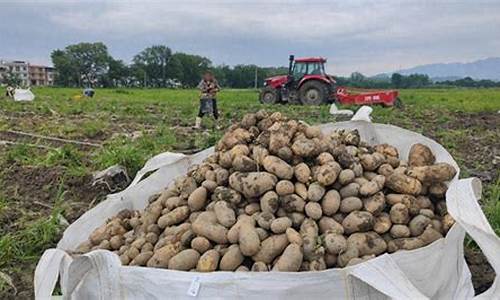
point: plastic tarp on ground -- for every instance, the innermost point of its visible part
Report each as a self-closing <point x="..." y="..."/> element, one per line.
<point x="23" y="95"/>
<point x="437" y="271"/>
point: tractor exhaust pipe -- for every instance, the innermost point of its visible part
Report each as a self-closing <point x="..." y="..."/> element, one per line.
<point x="290" y="64"/>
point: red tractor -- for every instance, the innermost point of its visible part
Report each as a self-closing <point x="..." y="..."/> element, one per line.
<point x="307" y="83"/>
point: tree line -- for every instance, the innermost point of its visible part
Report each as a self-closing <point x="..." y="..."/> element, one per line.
<point x="90" y="64"/>
<point x="412" y="81"/>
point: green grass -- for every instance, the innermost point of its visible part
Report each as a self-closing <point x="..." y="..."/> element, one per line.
<point x="133" y="125"/>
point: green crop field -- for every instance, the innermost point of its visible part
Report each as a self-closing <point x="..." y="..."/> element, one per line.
<point x="44" y="183"/>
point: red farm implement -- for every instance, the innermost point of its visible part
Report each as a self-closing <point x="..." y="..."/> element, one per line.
<point x="307" y="83"/>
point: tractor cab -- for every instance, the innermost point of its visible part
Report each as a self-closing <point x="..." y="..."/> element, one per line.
<point x="305" y="83"/>
<point x="308" y="66"/>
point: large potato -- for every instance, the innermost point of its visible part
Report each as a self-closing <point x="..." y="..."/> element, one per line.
<point x="358" y="221"/>
<point x="252" y="184"/>
<point x="278" y="167"/>
<point x="420" y="155"/>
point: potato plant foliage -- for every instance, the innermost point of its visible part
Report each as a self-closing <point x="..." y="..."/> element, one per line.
<point x="279" y="195"/>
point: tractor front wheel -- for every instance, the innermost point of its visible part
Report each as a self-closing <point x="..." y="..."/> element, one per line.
<point x="269" y="95"/>
<point x="313" y="93"/>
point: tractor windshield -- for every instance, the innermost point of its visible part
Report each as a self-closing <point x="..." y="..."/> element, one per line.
<point x="311" y="68"/>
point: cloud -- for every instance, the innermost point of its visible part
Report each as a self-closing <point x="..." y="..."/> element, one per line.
<point x="366" y="36"/>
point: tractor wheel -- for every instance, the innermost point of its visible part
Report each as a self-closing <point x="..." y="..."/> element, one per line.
<point x="313" y="93"/>
<point x="269" y="95"/>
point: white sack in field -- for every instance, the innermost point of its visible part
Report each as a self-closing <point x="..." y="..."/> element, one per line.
<point x="23" y="95"/>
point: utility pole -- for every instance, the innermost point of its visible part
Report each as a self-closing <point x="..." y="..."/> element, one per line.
<point x="255" y="81"/>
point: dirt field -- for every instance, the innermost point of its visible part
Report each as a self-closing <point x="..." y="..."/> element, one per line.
<point x="46" y="183"/>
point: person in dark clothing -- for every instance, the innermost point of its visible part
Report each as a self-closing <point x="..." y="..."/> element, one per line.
<point x="209" y="87"/>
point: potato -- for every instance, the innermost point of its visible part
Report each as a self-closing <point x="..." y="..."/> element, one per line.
<point x="290" y="260"/>
<point x="448" y="222"/>
<point x="174" y="202"/>
<point x="330" y="203"/>
<point x="297" y="218"/>
<point x="371" y="162"/>
<point x="315" y="192"/>
<point x="225" y="214"/>
<point x="248" y="239"/>
<point x="350" y="190"/>
<point x="399" y="214"/>
<point x="382" y="223"/>
<point x="252" y="208"/>
<point x="438" y="189"/>
<point x="269" y="202"/>
<point x="404" y="244"/>
<point x="418" y="224"/>
<point x="373" y="186"/>
<point x="374" y="204"/>
<point x="285" y="187"/>
<point x="252" y="184"/>
<point x="200" y="244"/>
<point x="430" y="235"/>
<point x="420" y="155"/>
<point x="264" y="220"/>
<point x="335" y="243"/>
<point x="302" y="173"/>
<point x="301" y="190"/>
<point x="328" y="173"/>
<point x="280" y="225"/>
<point x="271" y="248"/>
<point x="329" y="225"/>
<point x="358" y="221"/>
<point x="176" y="216"/>
<point x="141" y="259"/>
<point x="346" y="176"/>
<point x="403" y="184"/>
<point x="385" y="169"/>
<point x="344" y="257"/>
<point x="208" y="262"/>
<point x="400" y="231"/>
<point x="304" y="147"/>
<point x="232" y="259"/>
<point x="309" y="232"/>
<point x="243" y="163"/>
<point x="313" y="210"/>
<point x="292" y="203"/>
<point x="162" y="256"/>
<point x="293" y="236"/>
<point x="278" y="167"/>
<point x="367" y="243"/>
<point x="206" y="226"/>
<point x="259" y="267"/>
<point x="350" y="204"/>
<point x="431" y="174"/>
<point x="197" y="199"/>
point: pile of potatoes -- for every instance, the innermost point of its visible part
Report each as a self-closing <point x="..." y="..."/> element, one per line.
<point x="278" y="195"/>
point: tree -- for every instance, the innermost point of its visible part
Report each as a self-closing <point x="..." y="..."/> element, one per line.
<point x="396" y="80"/>
<point x="193" y="67"/>
<point x="11" y="79"/>
<point x="153" y="63"/>
<point x="118" y="74"/>
<point x="81" y="64"/>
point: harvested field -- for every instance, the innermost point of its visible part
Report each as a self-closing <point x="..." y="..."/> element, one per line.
<point x="45" y="183"/>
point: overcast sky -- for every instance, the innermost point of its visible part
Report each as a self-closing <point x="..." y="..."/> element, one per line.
<point x="366" y="36"/>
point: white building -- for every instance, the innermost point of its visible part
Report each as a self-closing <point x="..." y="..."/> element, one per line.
<point x="30" y="75"/>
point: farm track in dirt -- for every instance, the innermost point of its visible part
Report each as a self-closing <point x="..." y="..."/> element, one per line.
<point x="31" y="189"/>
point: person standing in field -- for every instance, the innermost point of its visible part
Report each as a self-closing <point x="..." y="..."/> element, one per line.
<point x="209" y="87"/>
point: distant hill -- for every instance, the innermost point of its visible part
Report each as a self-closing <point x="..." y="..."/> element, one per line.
<point x="488" y="68"/>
